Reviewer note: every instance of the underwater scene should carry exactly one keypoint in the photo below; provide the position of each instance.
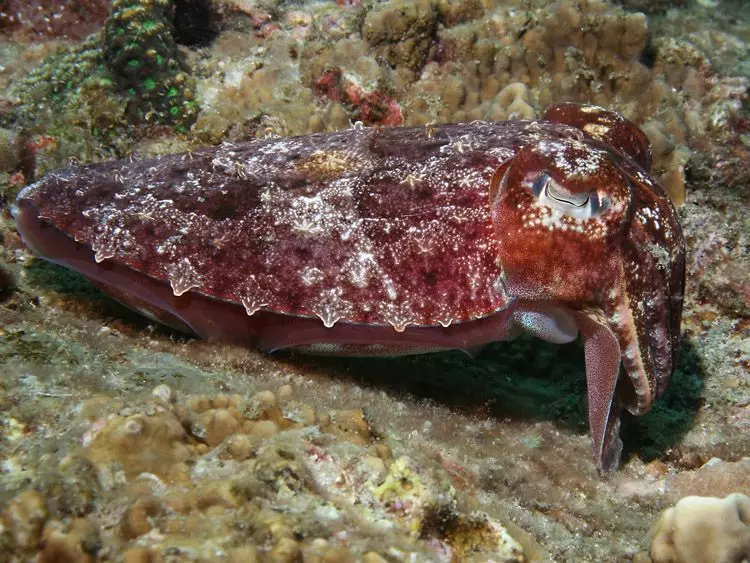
(376, 281)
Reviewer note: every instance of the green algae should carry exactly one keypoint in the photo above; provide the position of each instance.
(672, 415)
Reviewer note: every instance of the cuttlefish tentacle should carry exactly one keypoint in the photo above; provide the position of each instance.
(654, 252)
(646, 306)
(601, 350)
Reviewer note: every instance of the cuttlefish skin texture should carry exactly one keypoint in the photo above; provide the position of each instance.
(395, 241)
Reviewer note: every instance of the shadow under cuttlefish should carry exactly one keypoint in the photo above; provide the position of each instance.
(525, 379)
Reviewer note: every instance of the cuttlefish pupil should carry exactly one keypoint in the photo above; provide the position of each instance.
(584, 205)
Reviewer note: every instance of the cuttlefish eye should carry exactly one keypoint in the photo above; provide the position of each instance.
(581, 205)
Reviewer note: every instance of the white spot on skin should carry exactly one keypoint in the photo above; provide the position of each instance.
(312, 276)
(661, 255)
(252, 296)
(412, 180)
(597, 130)
(390, 288)
(360, 268)
(102, 254)
(330, 307)
(592, 109)
(329, 317)
(111, 239)
(580, 167)
(251, 305)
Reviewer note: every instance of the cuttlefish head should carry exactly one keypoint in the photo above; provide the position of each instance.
(586, 235)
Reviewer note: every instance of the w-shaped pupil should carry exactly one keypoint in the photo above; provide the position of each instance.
(580, 205)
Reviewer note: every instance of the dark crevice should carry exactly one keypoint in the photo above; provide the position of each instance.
(648, 56)
(195, 23)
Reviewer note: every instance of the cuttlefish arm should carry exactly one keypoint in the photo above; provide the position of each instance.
(582, 226)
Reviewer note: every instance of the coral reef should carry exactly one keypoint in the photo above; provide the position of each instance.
(84, 97)
(400, 32)
(70, 108)
(296, 477)
(160, 475)
(480, 60)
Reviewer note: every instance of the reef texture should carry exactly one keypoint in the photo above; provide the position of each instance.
(433, 458)
(264, 478)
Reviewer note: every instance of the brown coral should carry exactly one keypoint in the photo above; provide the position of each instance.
(140, 443)
(400, 32)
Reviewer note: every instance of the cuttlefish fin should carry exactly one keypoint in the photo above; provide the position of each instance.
(602, 370)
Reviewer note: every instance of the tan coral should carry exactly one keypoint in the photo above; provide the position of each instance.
(703, 530)
(24, 518)
(401, 31)
(76, 542)
(219, 424)
(140, 516)
(349, 425)
(584, 51)
(512, 102)
(140, 443)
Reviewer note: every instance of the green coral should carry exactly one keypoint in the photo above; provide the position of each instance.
(139, 49)
(61, 83)
(71, 96)
(86, 96)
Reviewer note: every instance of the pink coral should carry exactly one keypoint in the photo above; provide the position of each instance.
(371, 107)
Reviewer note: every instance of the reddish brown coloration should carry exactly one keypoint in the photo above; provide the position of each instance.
(613, 262)
(370, 107)
(329, 85)
(400, 240)
(605, 126)
(72, 19)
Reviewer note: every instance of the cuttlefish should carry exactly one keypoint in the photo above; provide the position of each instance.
(390, 241)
